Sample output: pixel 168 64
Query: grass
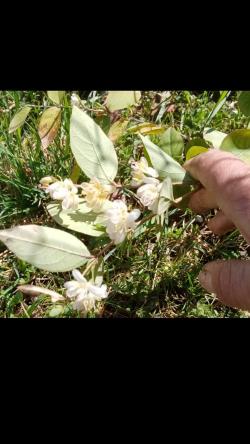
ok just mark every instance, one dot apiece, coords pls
pixel 154 274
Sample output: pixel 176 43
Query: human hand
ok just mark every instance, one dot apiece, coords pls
pixel 226 186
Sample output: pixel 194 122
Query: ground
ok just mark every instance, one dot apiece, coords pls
pixel 154 275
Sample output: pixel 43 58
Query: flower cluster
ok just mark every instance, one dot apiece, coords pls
pixel 119 221
pixel 84 294
pixel 96 194
pixel 145 178
pixel 66 192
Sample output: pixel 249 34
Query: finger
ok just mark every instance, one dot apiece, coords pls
pixel 201 201
pixel 229 280
pixel 220 224
pixel 228 179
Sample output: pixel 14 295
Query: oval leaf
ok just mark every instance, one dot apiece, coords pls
pixel 19 119
pixel 49 125
pixel 238 143
pixel 81 220
pixel 195 151
pixel 244 103
pixel 172 143
pixel 46 248
pixel 93 150
pixel 162 162
pixel 122 99
pixel 56 96
pixel 214 137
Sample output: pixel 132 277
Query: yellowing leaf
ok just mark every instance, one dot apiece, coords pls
pixel 122 99
pixel 49 125
pixel 56 96
pixel 19 119
pixel 194 151
pixel 117 130
pixel 146 128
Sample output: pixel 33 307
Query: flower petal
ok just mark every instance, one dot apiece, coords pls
pixel 77 275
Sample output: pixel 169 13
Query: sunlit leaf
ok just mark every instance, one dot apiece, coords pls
pixel 238 143
pixel 49 125
pixel 214 137
pixel 146 128
pixel 122 99
pixel 80 220
pixel 56 96
pixel 93 150
pixel 46 248
pixel 172 143
pixel 195 151
pixel 19 119
pixel 162 162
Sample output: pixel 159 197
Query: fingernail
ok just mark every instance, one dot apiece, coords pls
pixel 205 279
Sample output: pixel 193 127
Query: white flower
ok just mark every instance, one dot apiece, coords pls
pixel 96 194
pixel 140 171
pixel 75 100
pixel 149 195
pixel 84 294
pixel 119 221
pixel 65 191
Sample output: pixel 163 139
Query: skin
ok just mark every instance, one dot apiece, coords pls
pixel 225 183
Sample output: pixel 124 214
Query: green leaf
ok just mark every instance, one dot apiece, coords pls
pixel 104 122
pixel 93 150
pixel 166 196
pixel 19 119
pixel 172 143
pixel 49 125
pixel 46 248
pixel 197 141
pixel 162 162
pixel 195 151
pixel 122 99
pixel 75 174
pixel 81 220
pixel 56 311
pixel 97 272
pixel 244 102
pixel 223 97
pixel 238 143
pixel 214 137
pixel 56 96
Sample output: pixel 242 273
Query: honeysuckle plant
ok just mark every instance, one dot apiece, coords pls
pixel 99 207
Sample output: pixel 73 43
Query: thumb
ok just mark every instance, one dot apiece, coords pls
pixel 229 280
